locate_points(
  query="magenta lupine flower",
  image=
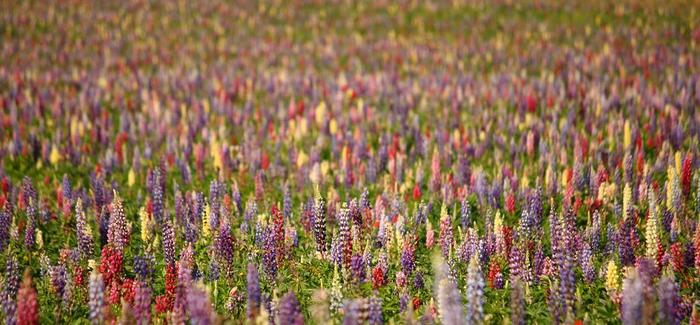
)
(290, 310)
(96, 290)
(517, 303)
(142, 303)
(254, 294)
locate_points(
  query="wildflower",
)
(668, 300)
(632, 299)
(517, 303)
(448, 297)
(254, 294)
(446, 232)
(320, 223)
(142, 303)
(117, 235)
(83, 231)
(475, 292)
(27, 302)
(290, 310)
(9, 291)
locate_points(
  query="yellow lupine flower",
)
(627, 140)
(39, 239)
(671, 175)
(321, 113)
(205, 221)
(131, 178)
(612, 278)
(146, 225)
(626, 199)
(55, 156)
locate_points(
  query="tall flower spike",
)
(254, 294)
(517, 303)
(83, 231)
(449, 300)
(290, 310)
(320, 223)
(142, 303)
(475, 292)
(632, 299)
(652, 239)
(27, 302)
(668, 300)
(96, 297)
(9, 291)
(117, 232)
(446, 232)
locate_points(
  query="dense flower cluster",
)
(199, 162)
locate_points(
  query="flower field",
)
(342, 162)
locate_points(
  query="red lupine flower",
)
(377, 277)
(677, 257)
(27, 303)
(687, 173)
(510, 203)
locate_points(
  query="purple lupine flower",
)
(5, 224)
(9, 291)
(344, 240)
(320, 225)
(290, 310)
(668, 301)
(142, 303)
(516, 264)
(527, 224)
(200, 307)
(447, 296)
(236, 198)
(104, 225)
(85, 243)
(352, 313)
(446, 235)
(30, 228)
(158, 204)
(374, 311)
(475, 293)
(287, 204)
(593, 232)
(357, 268)
(269, 257)
(632, 299)
(96, 297)
(214, 270)
(336, 251)
(254, 294)
(58, 276)
(214, 204)
(585, 260)
(408, 256)
(537, 264)
(168, 241)
(117, 233)
(143, 266)
(224, 243)
(517, 303)
(418, 282)
(465, 213)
